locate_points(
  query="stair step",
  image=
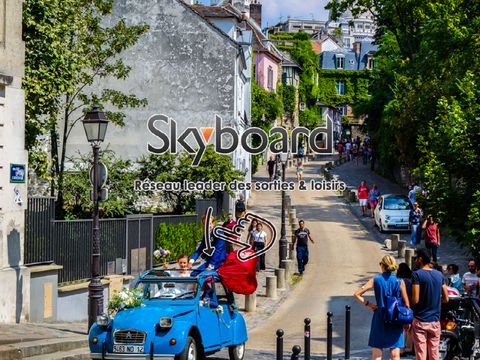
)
(82, 354)
(41, 347)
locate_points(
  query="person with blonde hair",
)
(384, 335)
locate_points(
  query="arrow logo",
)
(209, 249)
(207, 133)
(233, 235)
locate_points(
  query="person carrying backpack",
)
(384, 335)
(240, 207)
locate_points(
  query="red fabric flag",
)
(239, 276)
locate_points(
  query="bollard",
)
(395, 239)
(296, 350)
(272, 286)
(329, 335)
(306, 336)
(288, 266)
(279, 344)
(251, 302)
(402, 246)
(280, 274)
(352, 197)
(347, 332)
(409, 254)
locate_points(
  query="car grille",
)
(129, 337)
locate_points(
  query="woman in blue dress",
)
(384, 335)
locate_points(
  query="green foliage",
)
(68, 51)
(178, 238)
(356, 86)
(121, 198)
(177, 168)
(289, 101)
(424, 107)
(266, 107)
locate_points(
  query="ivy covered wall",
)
(356, 86)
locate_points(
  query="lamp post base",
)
(95, 300)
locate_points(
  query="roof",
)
(287, 60)
(260, 41)
(214, 11)
(352, 60)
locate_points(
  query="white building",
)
(354, 29)
(14, 277)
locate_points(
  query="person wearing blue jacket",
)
(216, 258)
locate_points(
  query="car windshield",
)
(397, 203)
(167, 289)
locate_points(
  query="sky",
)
(274, 11)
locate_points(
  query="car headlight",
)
(166, 322)
(102, 320)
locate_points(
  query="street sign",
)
(102, 195)
(302, 106)
(102, 175)
(17, 173)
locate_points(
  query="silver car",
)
(392, 212)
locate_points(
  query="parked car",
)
(392, 212)
(180, 318)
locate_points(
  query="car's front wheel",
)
(190, 352)
(236, 352)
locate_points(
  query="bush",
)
(178, 238)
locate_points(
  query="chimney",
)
(357, 48)
(256, 12)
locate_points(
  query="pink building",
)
(267, 66)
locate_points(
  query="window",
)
(270, 78)
(342, 110)
(370, 63)
(346, 42)
(339, 61)
(255, 72)
(340, 87)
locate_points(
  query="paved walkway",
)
(351, 173)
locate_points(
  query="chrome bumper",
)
(120, 356)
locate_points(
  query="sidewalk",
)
(351, 173)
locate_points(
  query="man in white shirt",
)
(470, 280)
(259, 239)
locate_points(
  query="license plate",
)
(128, 349)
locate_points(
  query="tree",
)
(122, 199)
(171, 168)
(68, 50)
(424, 109)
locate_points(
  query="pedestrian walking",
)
(405, 273)
(348, 148)
(340, 150)
(240, 207)
(302, 235)
(470, 280)
(355, 153)
(259, 240)
(384, 335)
(251, 229)
(453, 277)
(271, 167)
(365, 154)
(373, 196)
(428, 291)
(414, 221)
(432, 236)
(299, 170)
(362, 195)
(372, 159)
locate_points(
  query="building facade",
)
(14, 277)
(354, 29)
(294, 26)
(187, 68)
